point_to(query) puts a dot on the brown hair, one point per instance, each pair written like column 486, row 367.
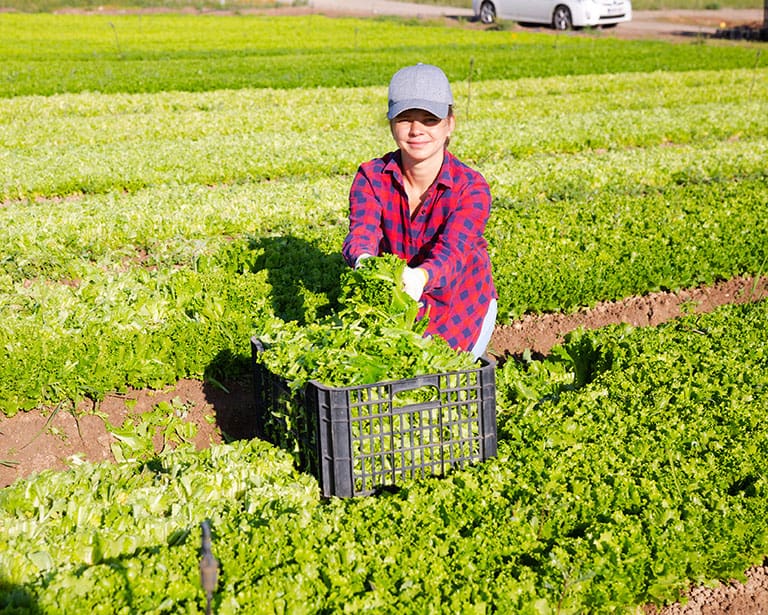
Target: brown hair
column 450, row 114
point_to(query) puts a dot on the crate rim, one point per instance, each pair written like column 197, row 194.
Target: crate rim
column 483, row 362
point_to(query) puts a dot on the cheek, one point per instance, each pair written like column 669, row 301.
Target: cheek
column 398, row 133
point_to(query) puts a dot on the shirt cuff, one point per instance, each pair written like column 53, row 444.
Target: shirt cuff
column 360, row 258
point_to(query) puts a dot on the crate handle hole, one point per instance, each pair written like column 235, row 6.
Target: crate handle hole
column 413, row 397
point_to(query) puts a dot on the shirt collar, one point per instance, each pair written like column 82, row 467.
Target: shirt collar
column 444, row 177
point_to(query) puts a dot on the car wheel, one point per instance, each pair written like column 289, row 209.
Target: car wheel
column 561, row 18
column 487, row 12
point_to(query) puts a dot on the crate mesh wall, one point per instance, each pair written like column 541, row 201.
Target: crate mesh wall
column 391, row 442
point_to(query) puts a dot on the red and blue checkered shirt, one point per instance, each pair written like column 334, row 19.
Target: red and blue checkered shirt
column 444, row 237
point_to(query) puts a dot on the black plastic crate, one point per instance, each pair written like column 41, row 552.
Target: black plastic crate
column 357, row 440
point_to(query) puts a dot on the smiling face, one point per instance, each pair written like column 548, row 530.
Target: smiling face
column 421, row 136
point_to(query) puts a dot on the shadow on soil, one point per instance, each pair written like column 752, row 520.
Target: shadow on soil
column 234, row 406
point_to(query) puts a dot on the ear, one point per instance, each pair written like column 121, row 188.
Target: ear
column 451, row 119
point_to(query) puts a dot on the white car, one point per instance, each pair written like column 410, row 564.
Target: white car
column 560, row 14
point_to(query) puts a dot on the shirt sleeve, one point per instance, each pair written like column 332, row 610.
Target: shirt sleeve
column 365, row 213
column 461, row 235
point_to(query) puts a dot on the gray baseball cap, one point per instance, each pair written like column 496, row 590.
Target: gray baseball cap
column 421, row 86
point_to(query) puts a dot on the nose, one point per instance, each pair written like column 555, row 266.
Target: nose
column 415, row 126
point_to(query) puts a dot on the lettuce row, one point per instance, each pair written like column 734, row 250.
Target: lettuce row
column 635, row 469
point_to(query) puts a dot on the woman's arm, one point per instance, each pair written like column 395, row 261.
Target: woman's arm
column 365, row 210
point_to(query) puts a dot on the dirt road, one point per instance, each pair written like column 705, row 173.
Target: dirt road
column 664, row 24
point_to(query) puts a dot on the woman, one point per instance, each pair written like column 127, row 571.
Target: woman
column 421, row 203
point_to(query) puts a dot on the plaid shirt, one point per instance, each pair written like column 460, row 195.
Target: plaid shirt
column 444, row 237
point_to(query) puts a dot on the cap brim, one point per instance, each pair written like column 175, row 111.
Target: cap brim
column 435, row 108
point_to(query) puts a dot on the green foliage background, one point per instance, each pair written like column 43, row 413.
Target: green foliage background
column 157, row 200
column 171, row 184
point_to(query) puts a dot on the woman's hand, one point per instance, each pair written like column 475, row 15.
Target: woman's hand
column 360, row 259
column 414, row 281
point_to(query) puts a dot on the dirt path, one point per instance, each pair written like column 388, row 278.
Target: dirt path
column 540, row 333
column 663, row 24
column 667, row 24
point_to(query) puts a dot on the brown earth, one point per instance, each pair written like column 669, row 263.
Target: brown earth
column 52, row 438
column 664, row 24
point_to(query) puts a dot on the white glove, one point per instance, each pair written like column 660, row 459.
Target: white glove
column 414, row 281
column 359, row 260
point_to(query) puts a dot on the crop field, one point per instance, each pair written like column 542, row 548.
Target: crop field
column 172, row 185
